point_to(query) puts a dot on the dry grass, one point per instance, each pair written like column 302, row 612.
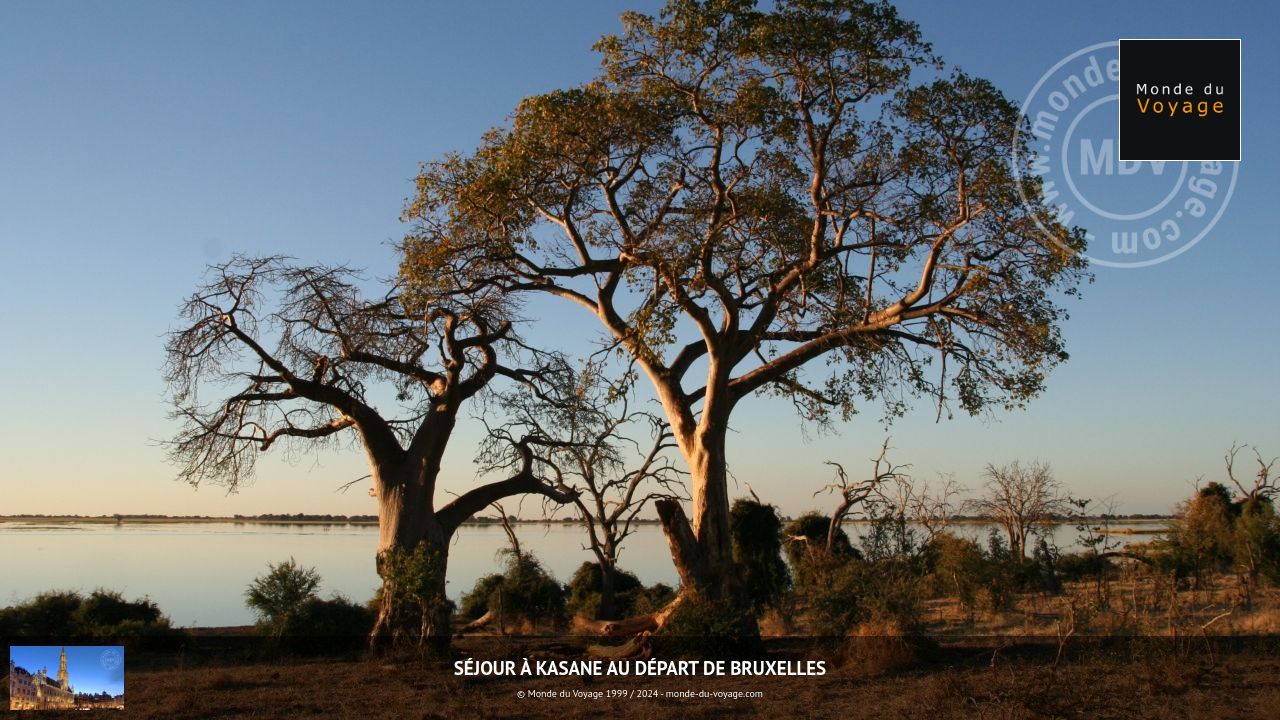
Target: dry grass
column 1045, row 657
column 881, row 678
column 1132, row 604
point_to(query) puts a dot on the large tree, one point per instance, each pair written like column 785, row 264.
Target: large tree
column 276, row 354
column 741, row 193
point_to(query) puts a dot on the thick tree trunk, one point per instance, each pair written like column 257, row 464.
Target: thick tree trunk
column 703, row 548
column 410, row 535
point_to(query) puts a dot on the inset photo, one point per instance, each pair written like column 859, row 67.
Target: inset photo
column 71, row 677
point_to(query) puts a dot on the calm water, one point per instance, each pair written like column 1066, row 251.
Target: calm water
column 197, row 572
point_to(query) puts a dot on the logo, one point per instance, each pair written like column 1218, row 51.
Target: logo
column 111, row 658
column 1135, row 213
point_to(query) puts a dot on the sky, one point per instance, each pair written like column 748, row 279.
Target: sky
column 91, row 669
column 140, row 141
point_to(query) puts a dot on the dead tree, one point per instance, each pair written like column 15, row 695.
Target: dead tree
column 275, row 354
column 1265, row 485
column 1018, row 498
column 853, row 494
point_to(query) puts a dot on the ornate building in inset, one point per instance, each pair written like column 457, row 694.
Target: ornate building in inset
column 38, row 691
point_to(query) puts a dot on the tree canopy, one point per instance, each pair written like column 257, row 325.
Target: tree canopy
column 776, row 181
column 742, row 192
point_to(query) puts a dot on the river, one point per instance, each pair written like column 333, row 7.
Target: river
column 197, row 572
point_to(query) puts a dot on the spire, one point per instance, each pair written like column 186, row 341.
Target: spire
column 62, row 670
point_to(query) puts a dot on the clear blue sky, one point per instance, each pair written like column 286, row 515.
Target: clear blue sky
column 86, row 669
column 140, row 140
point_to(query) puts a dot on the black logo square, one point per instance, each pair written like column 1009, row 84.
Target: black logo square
column 1179, row 99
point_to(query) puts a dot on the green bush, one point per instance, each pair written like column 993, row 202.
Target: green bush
column 651, row 599
column 417, row 588
column 756, row 532
column 524, row 592
column 830, row 590
column 476, row 602
column 333, row 625
column 631, row 597
column 1074, row 567
column 1215, row 532
column 701, row 627
column 103, row 615
column 1255, row 542
column 106, row 608
column 808, row 534
column 280, row 593
column 956, row 568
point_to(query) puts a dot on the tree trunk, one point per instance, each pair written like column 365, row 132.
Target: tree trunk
column 413, row 557
column 608, row 602
column 703, row 549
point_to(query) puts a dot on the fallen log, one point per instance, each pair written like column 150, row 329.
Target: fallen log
column 638, row 647
column 479, row 622
column 630, row 626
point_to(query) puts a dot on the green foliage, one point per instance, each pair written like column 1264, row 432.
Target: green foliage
column 323, row 626
column 807, row 535
column 524, row 592
column 829, row 591
column 826, row 584
column 631, row 597
column 957, row 567
column 1216, row 532
column 1256, row 540
column 414, row 582
column 621, row 169
column 107, row 608
column 889, row 536
column 278, row 594
column 1077, row 566
column 702, row 627
column 476, row 602
column 652, row 599
column 756, row 531
column 103, row 615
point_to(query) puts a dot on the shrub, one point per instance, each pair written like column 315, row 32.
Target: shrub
column 1255, row 545
column 957, row 567
column 49, row 613
column 1214, row 533
column 524, row 592
column 107, row 608
column 807, row 535
column 826, row 584
column 280, row 593
column 476, row 603
column 584, row 589
column 701, row 627
column 651, row 599
column 756, row 532
column 103, row 615
column 1073, row 567
column 830, row 589
column 336, row 624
